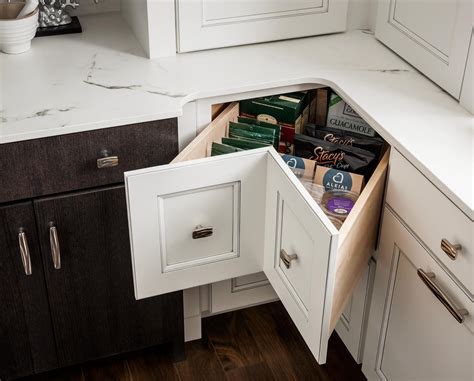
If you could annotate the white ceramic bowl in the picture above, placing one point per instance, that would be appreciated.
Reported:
(16, 34)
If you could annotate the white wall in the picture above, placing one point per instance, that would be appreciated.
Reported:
(135, 13)
(361, 14)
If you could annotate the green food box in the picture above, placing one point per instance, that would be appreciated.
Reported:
(222, 149)
(289, 110)
(247, 131)
(255, 122)
(244, 144)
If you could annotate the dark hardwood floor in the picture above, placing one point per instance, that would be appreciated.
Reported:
(258, 343)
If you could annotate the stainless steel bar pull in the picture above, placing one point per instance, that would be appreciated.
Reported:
(287, 258)
(24, 252)
(54, 243)
(202, 232)
(450, 249)
(107, 160)
(428, 279)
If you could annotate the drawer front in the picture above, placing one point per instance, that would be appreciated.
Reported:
(69, 162)
(412, 333)
(433, 217)
(196, 223)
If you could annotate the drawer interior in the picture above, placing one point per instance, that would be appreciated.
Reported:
(358, 233)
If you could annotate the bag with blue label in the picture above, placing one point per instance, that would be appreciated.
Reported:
(300, 167)
(335, 179)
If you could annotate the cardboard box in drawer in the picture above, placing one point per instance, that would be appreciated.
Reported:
(318, 105)
(342, 116)
(288, 110)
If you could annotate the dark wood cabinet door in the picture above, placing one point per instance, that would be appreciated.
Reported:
(92, 302)
(26, 339)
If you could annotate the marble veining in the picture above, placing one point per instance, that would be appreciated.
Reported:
(38, 114)
(391, 71)
(136, 87)
(100, 79)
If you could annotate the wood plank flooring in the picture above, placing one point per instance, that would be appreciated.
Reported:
(258, 344)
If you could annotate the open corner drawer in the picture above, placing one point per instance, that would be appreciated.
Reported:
(204, 219)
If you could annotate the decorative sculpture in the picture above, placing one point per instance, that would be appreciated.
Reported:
(53, 13)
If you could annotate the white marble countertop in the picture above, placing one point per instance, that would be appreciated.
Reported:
(100, 79)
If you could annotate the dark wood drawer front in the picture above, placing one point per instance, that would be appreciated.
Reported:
(69, 162)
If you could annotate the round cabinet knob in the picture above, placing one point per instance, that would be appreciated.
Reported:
(450, 249)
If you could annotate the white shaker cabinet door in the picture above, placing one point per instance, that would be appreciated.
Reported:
(421, 324)
(432, 35)
(209, 24)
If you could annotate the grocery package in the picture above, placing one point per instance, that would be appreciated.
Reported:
(253, 132)
(335, 179)
(346, 158)
(288, 110)
(341, 115)
(255, 122)
(222, 149)
(338, 136)
(337, 204)
(243, 143)
(301, 167)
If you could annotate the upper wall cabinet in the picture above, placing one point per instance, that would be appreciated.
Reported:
(433, 36)
(209, 24)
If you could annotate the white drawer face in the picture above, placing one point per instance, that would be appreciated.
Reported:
(433, 217)
(212, 214)
(262, 219)
(415, 331)
(167, 203)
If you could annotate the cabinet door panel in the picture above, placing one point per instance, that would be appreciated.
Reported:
(26, 337)
(433, 36)
(352, 324)
(240, 292)
(295, 226)
(412, 335)
(94, 311)
(211, 24)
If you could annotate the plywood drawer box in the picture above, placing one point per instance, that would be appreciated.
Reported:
(255, 212)
(433, 217)
(70, 162)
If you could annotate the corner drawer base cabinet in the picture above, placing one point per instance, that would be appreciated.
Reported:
(204, 219)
